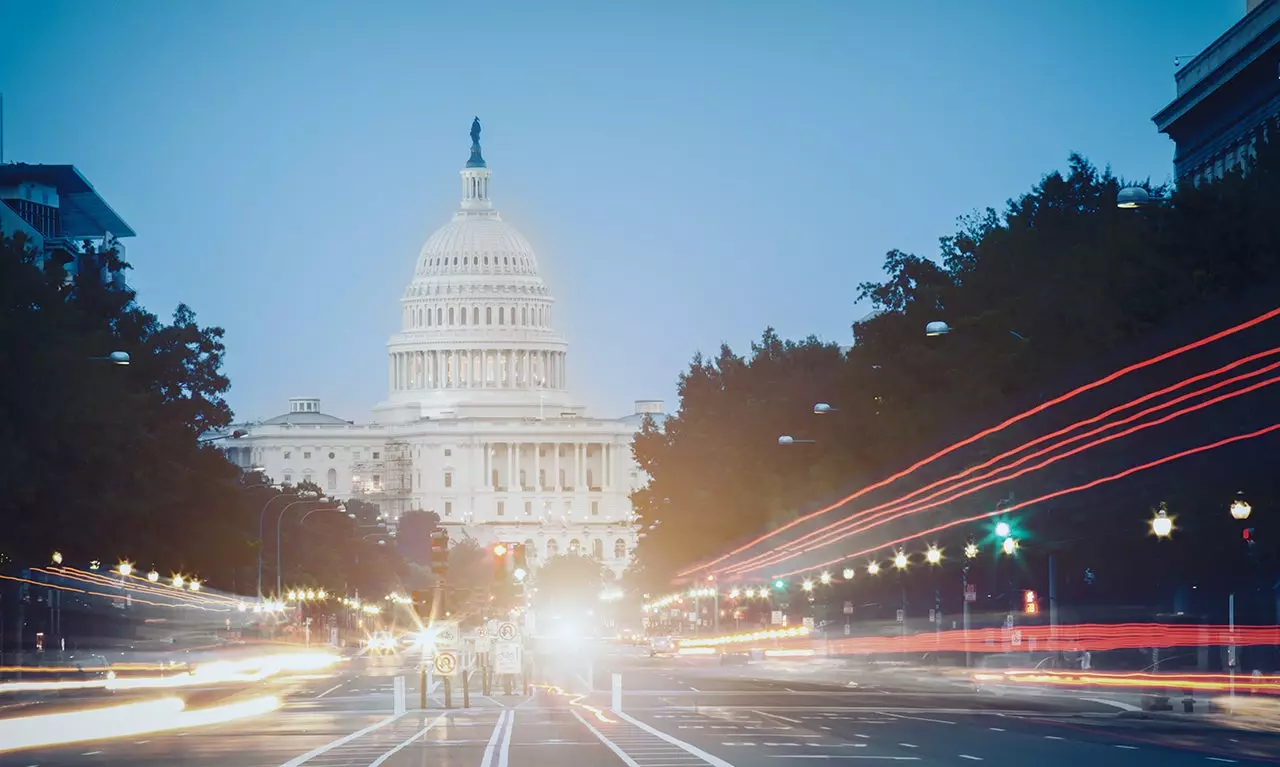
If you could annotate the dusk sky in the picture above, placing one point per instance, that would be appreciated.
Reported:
(688, 172)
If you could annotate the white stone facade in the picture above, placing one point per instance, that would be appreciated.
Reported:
(478, 425)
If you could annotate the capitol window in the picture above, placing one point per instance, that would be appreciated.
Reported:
(488, 315)
(574, 546)
(597, 549)
(376, 455)
(553, 548)
(448, 508)
(475, 315)
(619, 549)
(502, 509)
(288, 479)
(288, 454)
(450, 315)
(447, 452)
(448, 479)
(331, 479)
(528, 508)
(306, 454)
(595, 508)
(502, 311)
(330, 455)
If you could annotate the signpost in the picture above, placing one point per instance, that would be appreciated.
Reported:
(448, 635)
(507, 632)
(506, 663)
(446, 663)
(970, 592)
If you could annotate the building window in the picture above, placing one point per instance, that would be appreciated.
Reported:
(306, 477)
(542, 478)
(288, 479)
(448, 508)
(331, 479)
(450, 315)
(439, 315)
(356, 454)
(448, 479)
(288, 454)
(619, 549)
(502, 315)
(590, 479)
(447, 452)
(502, 509)
(522, 479)
(331, 456)
(562, 484)
(528, 508)
(553, 548)
(597, 549)
(475, 315)
(306, 454)
(494, 479)
(488, 315)
(575, 546)
(377, 480)
(595, 508)
(568, 508)
(376, 455)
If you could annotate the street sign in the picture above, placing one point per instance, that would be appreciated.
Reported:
(848, 608)
(448, 636)
(776, 618)
(507, 631)
(506, 658)
(933, 615)
(446, 663)
(970, 592)
(808, 623)
(491, 627)
(1016, 639)
(900, 616)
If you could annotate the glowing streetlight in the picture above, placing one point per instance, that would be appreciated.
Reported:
(1240, 509)
(873, 568)
(848, 573)
(153, 576)
(57, 557)
(178, 581)
(807, 585)
(933, 556)
(195, 585)
(971, 550)
(825, 578)
(1003, 530)
(520, 574)
(1009, 546)
(124, 568)
(900, 560)
(94, 564)
(733, 593)
(1161, 525)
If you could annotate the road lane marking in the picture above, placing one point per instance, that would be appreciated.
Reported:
(860, 735)
(91, 753)
(1220, 759)
(908, 745)
(846, 756)
(297, 761)
(919, 718)
(493, 739)
(1054, 737)
(688, 748)
(970, 758)
(608, 743)
(1126, 747)
(407, 741)
(331, 689)
(1116, 703)
(504, 750)
(996, 729)
(776, 716)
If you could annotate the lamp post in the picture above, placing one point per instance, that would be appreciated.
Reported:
(115, 358)
(262, 543)
(279, 549)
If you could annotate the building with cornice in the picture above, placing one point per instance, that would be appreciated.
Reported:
(478, 425)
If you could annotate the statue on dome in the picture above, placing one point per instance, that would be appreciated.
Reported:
(477, 160)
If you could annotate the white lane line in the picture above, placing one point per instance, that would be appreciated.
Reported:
(776, 716)
(504, 750)
(407, 741)
(1054, 737)
(688, 748)
(860, 735)
(908, 745)
(141, 742)
(695, 689)
(298, 761)
(970, 758)
(331, 689)
(493, 739)
(996, 729)
(91, 753)
(627, 760)
(1116, 703)
(846, 756)
(919, 718)
(1220, 759)
(1127, 748)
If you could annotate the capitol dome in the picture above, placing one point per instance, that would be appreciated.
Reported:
(476, 318)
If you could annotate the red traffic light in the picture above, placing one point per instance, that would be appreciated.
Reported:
(500, 550)
(1029, 597)
(1248, 533)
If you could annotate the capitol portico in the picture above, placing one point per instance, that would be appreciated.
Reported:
(478, 424)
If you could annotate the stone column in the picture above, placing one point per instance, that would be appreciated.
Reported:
(537, 466)
(555, 470)
(513, 477)
(391, 371)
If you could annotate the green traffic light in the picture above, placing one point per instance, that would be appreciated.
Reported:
(779, 584)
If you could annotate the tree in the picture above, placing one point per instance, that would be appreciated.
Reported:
(568, 583)
(413, 535)
(1060, 287)
(103, 461)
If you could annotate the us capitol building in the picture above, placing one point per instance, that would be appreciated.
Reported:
(478, 424)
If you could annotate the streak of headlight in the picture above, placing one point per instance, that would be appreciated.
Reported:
(1046, 497)
(116, 595)
(200, 600)
(826, 532)
(218, 672)
(884, 517)
(992, 430)
(121, 721)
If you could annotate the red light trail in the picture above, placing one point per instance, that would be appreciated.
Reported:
(992, 430)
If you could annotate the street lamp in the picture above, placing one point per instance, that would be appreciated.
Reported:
(848, 573)
(900, 560)
(124, 568)
(933, 556)
(825, 578)
(1009, 546)
(873, 568)
(971, 550)
(1161, 525)
(1240, 508)
(1003, 530)
(807, 585)
(937, 328)
(1133, 197)
(785, 440)
(57, 557)
(115, 358)
(823, 408)
(153, 576)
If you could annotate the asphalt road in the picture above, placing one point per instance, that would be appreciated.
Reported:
(675, 713)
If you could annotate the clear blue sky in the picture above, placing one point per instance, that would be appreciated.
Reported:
(689, 172)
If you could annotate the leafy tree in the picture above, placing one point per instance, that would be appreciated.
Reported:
(568, 582)
(413, 535)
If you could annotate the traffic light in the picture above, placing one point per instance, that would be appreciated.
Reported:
(1029, 604)
(780, 584)
(519, 558)
(440, 553)
(501, 562)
